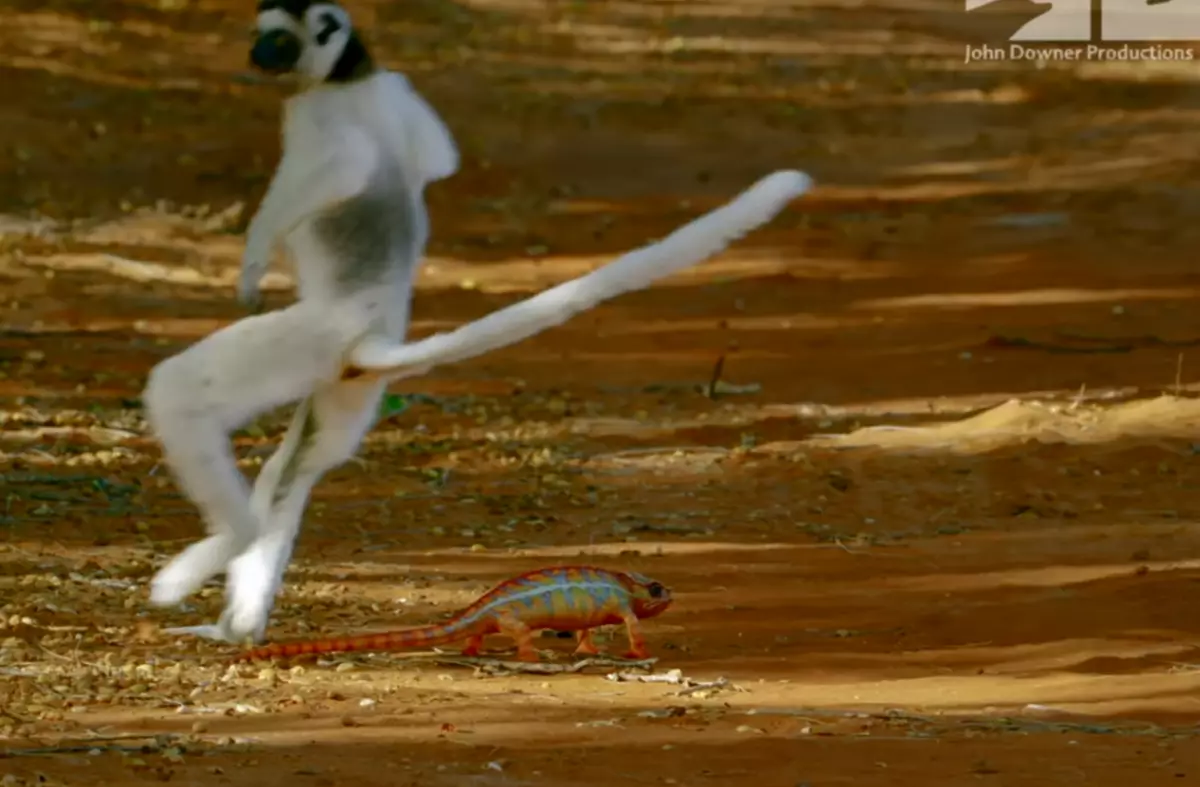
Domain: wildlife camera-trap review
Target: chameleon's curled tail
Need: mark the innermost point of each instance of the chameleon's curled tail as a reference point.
(686, 246)
(383, 641)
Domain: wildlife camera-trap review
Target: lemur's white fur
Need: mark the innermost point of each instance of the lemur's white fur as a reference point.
(364, 148)
(347, 203)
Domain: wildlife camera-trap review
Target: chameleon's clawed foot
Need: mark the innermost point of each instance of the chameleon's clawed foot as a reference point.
(587, 646)
(637, 646)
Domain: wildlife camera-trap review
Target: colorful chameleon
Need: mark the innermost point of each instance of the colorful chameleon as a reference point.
(563, 598)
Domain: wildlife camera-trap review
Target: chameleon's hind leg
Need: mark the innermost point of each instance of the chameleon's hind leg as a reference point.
(522, 634)
(587, 645)
(637, 645)
(473, 646)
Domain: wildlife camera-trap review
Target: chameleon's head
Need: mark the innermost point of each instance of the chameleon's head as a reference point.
(649, 597)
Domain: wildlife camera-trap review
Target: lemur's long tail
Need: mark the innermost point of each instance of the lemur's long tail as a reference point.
(690, 244)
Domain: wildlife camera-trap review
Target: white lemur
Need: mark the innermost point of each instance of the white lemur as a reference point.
(346, 203)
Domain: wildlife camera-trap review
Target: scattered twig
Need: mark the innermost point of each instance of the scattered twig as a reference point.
(24, 332)
(676, 677)
(72, 659)
(838, 542)
(660, 449)
(715, 377)
(50, 751)
(493, 667)
(1078, 399)
(107, 743)
(696, 686)
(160, 739)
(72, 479)
(1019, 342)
(711, 389)
(1145, 340)
(1088, 344)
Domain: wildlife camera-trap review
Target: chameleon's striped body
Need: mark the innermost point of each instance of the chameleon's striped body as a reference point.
(564, 598)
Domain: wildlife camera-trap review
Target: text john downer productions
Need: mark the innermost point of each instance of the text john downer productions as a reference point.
(1068, 30)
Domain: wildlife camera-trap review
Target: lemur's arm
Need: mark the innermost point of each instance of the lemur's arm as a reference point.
(309, 178)
(424, 142)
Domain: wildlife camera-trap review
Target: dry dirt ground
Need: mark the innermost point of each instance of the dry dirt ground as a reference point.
(999, 260)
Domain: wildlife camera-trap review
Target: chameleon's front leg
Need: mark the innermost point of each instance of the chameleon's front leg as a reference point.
(587, 645)
(637, 644)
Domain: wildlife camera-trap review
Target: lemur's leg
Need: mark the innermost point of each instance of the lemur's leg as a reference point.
(332, 424)
(223, 549)
(195, 399)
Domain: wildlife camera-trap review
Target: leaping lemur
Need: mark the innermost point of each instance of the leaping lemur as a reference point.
(347, 205)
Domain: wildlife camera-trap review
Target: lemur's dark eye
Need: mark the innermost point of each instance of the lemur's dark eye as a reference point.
(655, 590)
(329, 26)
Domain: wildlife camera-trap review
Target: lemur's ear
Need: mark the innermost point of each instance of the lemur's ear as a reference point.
(328, 26)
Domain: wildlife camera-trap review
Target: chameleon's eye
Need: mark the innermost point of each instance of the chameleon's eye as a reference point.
(655, 590)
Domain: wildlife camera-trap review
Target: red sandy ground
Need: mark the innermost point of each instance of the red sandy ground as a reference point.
(1020, 616)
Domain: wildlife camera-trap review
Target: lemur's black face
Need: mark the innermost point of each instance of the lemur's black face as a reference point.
(276, 51)
(313, 38)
